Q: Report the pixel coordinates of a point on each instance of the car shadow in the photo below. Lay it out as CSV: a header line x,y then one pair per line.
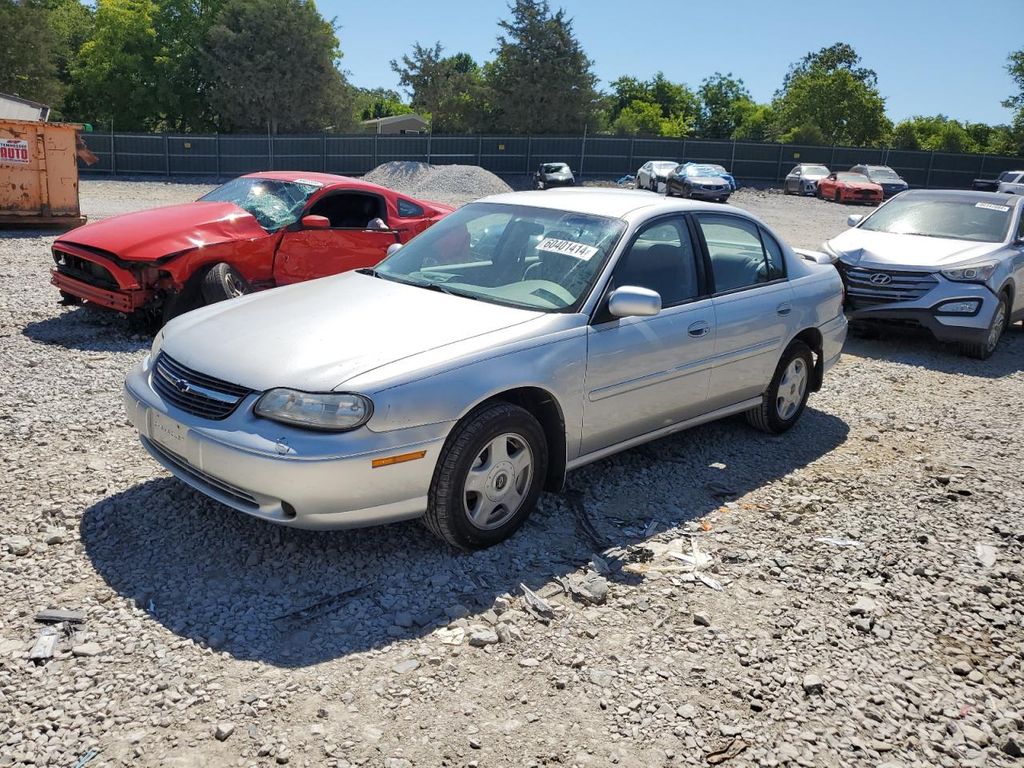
x,y
293,598
89,329
918,348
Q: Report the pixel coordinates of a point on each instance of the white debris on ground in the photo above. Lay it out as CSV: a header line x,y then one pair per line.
x,y
870,565
451,184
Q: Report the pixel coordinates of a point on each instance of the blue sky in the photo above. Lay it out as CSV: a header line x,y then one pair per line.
x,y
931,56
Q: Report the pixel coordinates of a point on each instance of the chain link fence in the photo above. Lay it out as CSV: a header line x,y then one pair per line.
x,y
225,156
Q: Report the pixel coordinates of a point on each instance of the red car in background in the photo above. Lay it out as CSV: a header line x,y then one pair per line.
x,y
256,231
846,187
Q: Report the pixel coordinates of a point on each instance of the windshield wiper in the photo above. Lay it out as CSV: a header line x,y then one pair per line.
x,y
370,271
443,289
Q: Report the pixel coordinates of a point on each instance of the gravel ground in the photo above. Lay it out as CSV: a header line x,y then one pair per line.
x,y
212,639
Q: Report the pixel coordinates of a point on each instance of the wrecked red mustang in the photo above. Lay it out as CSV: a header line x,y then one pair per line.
x,y
256,231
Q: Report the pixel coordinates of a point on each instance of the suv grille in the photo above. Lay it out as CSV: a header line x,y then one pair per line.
x,y
870,287
195,392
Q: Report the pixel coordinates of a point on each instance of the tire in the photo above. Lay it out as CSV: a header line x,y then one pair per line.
x,y
983,350
724,199
223,282
508,491
69,299
786,397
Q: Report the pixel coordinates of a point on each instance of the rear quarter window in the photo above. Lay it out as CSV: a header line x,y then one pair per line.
x,y
408,209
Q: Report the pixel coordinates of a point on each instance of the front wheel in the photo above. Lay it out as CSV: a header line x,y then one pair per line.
x,y
222,282
837,197
786,397
983,350
488,477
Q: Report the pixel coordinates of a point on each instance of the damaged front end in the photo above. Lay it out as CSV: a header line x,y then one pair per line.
x,y
100,278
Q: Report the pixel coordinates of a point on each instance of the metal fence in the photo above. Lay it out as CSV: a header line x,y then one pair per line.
x,y
168,155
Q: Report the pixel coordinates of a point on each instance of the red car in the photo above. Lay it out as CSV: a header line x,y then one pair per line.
x,y
257,231
845,187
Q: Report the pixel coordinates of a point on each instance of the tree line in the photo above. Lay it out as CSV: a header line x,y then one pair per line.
x,y
275,65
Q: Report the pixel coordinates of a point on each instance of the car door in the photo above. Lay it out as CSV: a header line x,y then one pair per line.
x,y
645,373
306,254
752,301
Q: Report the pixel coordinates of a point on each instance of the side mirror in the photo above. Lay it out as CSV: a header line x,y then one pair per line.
x,y
632,301
854,219
316,222
394,248
377,225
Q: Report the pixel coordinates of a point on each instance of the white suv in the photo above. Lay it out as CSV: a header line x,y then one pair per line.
x,y
1011,182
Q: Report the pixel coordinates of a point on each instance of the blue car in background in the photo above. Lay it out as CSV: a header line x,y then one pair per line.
x,y
710,169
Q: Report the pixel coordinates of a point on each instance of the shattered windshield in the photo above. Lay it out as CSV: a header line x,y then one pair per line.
x,y
274,203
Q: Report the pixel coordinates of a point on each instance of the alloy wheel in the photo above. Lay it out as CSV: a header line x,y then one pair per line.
x,y
792,388
498,481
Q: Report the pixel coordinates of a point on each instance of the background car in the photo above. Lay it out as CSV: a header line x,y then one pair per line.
x,y
804,178
885,177
1013,183
713,169
942,260
254,232
654,172
693,181
992,185
594,321
553,175
846,187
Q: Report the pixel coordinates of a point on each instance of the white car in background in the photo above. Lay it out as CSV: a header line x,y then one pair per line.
x,y
951,262
1012,182
804,178
654,172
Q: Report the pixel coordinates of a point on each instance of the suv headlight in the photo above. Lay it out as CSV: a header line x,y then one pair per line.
x,y
330,411
972,273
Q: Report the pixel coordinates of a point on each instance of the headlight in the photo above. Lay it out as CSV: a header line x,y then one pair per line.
x,y
331,412
972,273
158,341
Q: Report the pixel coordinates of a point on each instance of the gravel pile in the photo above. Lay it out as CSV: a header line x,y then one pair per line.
x,y
847,594
452,184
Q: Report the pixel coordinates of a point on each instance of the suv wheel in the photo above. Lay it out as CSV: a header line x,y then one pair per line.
x,y
786,397
983,350
488,478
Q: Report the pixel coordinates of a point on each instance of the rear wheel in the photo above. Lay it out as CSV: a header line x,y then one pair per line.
x,y
786,397
223,281
983,350
488,478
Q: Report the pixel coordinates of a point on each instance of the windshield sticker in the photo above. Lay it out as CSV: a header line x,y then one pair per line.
x,y
569,248
309,181
992,207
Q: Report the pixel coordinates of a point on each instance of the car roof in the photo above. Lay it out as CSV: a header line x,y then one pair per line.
x,y
324,179
608,202
963,196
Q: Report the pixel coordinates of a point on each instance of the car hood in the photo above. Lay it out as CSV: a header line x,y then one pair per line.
x,y
882,249
812,176
158,232
859,184
314,336
717,180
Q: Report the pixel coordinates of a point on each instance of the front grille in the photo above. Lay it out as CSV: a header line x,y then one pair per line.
x,y
82,269
866,194
901,286
242,497
194,392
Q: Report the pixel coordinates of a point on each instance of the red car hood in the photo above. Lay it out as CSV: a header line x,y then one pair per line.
x,y
150,235
860,185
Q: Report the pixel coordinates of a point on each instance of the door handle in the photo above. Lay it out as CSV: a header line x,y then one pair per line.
x,y
784,309
699,329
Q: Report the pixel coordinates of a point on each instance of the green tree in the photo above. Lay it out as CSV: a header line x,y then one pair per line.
x,y
724,103
829,91
651,107
30,52
270,65
449,88
805,134
757,123
904,136
639,117
72,23
114,78
540,80
374,103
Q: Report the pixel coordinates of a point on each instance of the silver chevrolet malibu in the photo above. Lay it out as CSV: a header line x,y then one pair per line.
x,y
523,336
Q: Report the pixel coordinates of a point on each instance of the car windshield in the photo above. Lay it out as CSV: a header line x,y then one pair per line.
x,y
855,177
886,174
815,170
705,170
554,167
982,221
517,255
662,165
274,203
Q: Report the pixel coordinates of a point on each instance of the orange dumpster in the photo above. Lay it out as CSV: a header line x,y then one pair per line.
x,y
39,173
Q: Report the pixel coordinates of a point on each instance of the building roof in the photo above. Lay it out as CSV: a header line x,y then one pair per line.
x,y
396,119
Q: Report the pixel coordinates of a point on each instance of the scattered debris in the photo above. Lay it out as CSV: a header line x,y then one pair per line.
x,y
864,606
405,666
728,753
45,645
600,565
986,555
87,758
837,542
223,731
813,685
319,608
60,615
450,636
590,588
536,605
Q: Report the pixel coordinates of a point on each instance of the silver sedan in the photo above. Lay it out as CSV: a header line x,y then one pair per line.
x,y
522,337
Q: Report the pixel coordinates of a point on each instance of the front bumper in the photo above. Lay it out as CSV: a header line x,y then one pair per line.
x,y
860,196
809,188
559,182
926,311
699,193
122,301
283,474
96,279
